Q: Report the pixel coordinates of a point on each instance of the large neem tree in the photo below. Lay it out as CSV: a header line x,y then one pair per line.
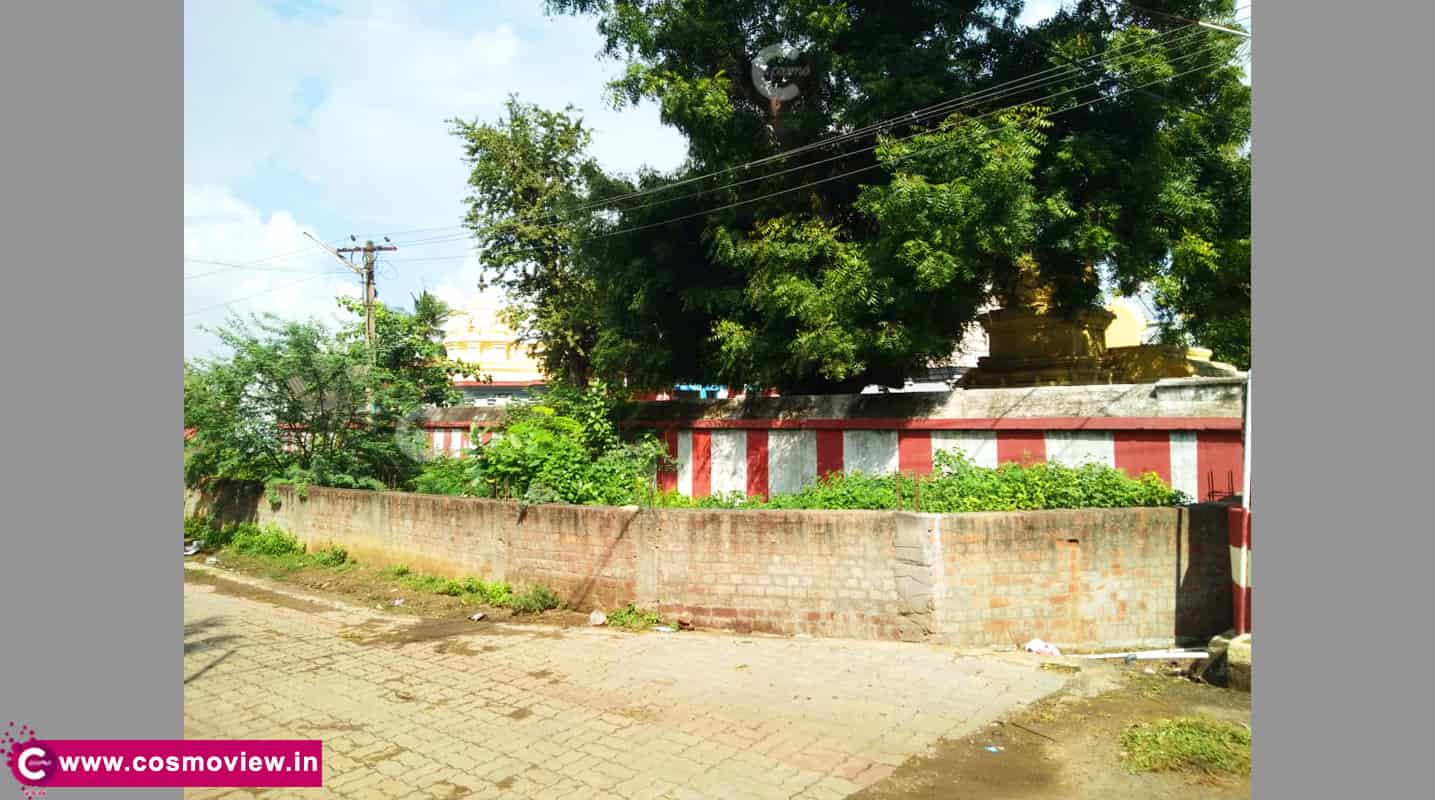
x,y
1108,140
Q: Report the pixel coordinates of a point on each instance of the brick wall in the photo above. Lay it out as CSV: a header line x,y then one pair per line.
x,y
1081,579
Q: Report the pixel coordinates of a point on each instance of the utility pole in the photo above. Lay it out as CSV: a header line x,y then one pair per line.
x,y
367,273
368,250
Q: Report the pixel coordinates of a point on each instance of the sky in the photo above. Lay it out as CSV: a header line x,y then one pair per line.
x,y
332,118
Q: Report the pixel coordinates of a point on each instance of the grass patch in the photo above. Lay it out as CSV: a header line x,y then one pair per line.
x,y
470,590
633,618
1191,744
274,551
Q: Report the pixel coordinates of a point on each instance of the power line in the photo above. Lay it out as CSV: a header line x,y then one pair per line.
x,y
848,173
990,93
1007,88
857,170
1106,59
229,267
256,294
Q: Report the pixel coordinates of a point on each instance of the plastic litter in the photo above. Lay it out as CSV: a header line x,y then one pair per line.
x,y
993,749
597,618
192,548
211,561
399,601
1041,648
663,628
476,617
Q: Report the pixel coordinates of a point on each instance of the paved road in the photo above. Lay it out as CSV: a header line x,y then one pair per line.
x,y
415,709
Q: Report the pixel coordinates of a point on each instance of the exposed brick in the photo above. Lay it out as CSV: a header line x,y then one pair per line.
x,y
853,574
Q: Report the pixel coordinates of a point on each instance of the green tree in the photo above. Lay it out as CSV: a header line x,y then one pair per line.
x,y
1130,159
529,171
292,399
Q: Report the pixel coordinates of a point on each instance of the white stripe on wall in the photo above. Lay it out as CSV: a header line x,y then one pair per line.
x,y
729,461
980,447
1074,448
436,441
791,460
685,463
869,452
1183,463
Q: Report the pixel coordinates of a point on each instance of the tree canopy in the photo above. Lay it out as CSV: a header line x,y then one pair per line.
x,y
1108,144
294,400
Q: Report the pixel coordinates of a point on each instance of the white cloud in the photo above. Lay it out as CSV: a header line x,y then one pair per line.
x,y
221,228
342,120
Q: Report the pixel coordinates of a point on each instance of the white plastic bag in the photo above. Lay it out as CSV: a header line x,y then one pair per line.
x,y
1042,648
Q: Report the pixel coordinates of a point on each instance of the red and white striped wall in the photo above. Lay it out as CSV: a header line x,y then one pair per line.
x,y
450,440
1199,456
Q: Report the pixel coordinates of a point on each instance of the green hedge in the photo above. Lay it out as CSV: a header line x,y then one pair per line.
x,y
957,485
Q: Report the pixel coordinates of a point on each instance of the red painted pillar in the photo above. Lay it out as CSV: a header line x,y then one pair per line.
x,y
757,463
829,452
702,463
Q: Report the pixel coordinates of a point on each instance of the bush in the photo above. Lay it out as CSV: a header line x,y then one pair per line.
x,y
566,448
534,601
330,556
271,540
207,531
446,475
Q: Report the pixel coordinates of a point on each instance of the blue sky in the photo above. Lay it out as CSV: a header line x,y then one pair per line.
x,y
329,117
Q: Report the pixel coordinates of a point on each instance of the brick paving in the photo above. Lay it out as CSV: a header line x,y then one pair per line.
x,y
446,710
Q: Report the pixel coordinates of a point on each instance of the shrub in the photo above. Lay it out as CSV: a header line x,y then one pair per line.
x,y
536,600
271,540
331,556
207,530
493,594
450,476
633,618
565,448
958,485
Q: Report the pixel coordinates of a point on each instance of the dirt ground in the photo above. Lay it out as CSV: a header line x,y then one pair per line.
x,y
365,585
1069,746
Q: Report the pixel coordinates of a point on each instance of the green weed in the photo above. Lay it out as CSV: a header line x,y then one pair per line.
x,y
633,618
1193,744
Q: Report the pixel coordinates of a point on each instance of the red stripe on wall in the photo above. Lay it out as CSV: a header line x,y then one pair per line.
x,y
668,478
1022,447
829,452
963,424
702,463
1218,463
914,452
757,464
1140,452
